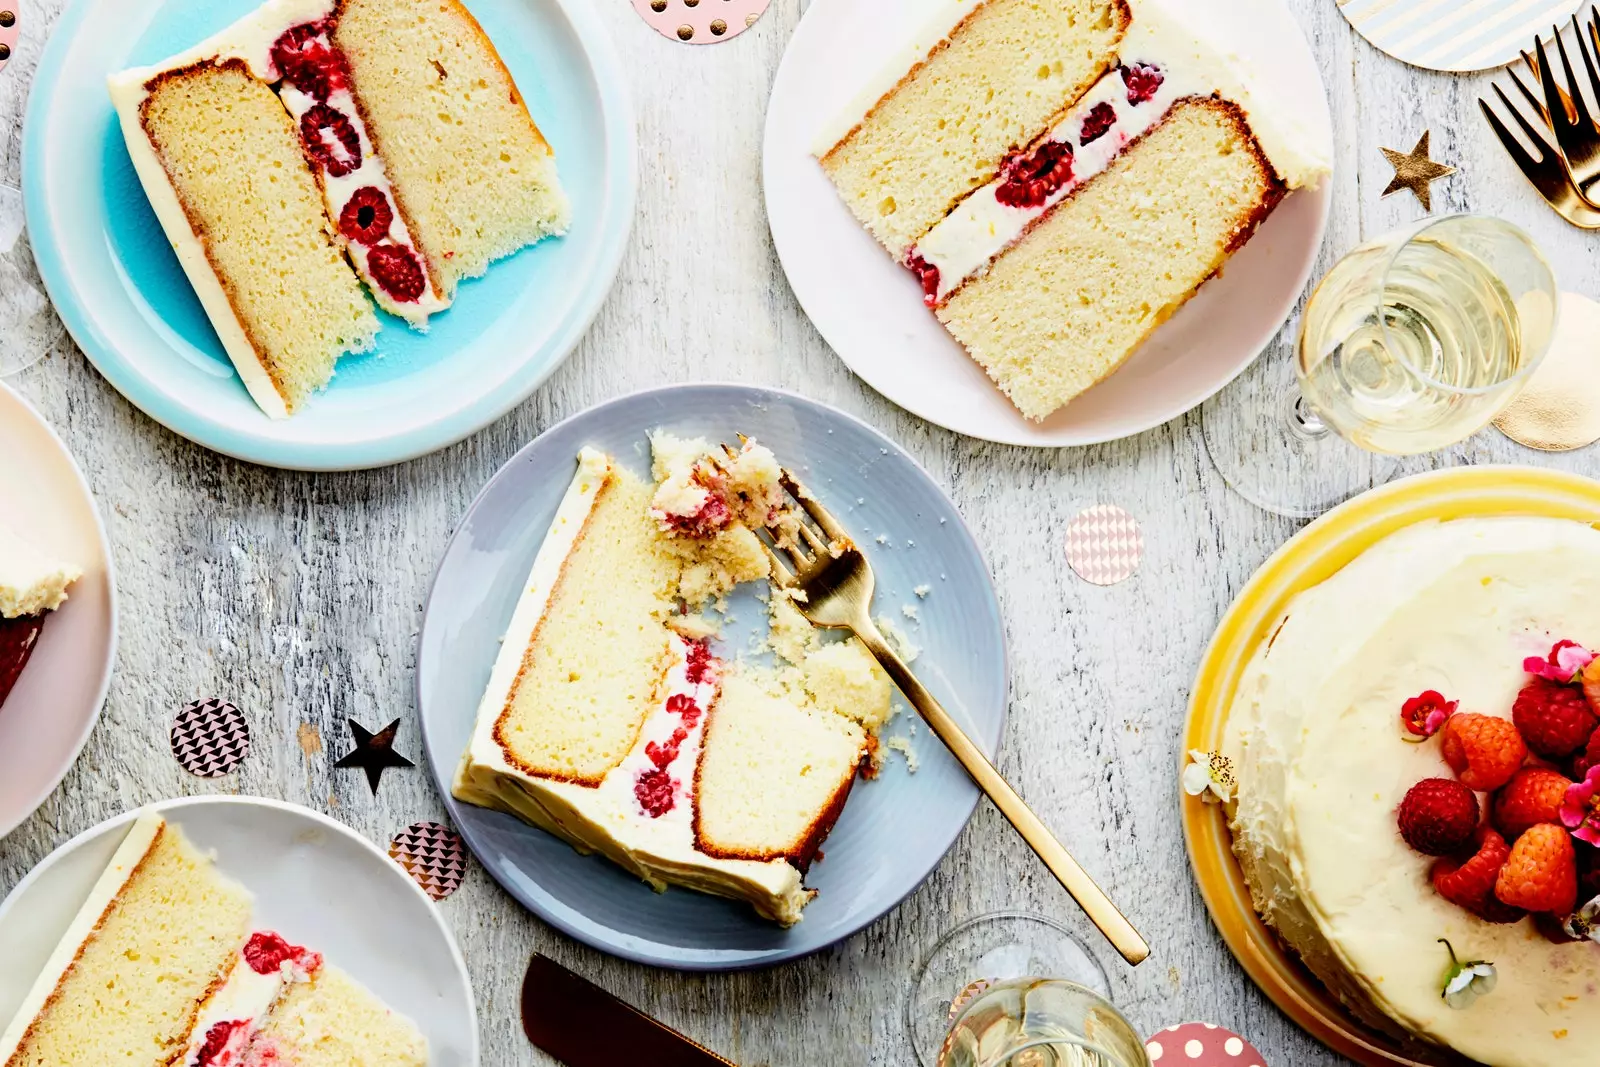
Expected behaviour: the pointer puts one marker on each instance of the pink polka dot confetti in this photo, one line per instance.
(9, 30)
(696, 21)
(210, 737)
(1105, 544)
(1202, 1045)
(433, 855)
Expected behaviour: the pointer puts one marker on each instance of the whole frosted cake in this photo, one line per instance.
(1416, 755)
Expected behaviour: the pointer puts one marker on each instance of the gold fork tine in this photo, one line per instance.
(1534, 101)
(782, 569)
(819, 514)
(1519, 155)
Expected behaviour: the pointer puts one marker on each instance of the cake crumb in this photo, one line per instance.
(695, 627)
(922, 591)
(790, 636)
(898, 641)
(902, 745)
(882, 539)
(910, 612)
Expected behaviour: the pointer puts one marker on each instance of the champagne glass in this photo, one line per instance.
(1412, 343)
(1016, 990)
(29, 329)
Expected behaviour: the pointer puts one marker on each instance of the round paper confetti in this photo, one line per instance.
(967, 996)
(210, 738)
(433, 855)
(1104, 544)
(1458, 36)
(1559, 408)
(697, 21)
(1202, 1045)
(9, 30)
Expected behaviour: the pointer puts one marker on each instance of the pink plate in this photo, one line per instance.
(10, 29)
(697, 21)
(48, 716)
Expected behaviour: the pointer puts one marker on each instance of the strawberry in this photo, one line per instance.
(1469, 883)
(1438, 816)
(1554, 719)
(1541, 873)
(1533, 796)
(1483, 751)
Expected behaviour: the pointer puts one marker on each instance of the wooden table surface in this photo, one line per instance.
(299, 596)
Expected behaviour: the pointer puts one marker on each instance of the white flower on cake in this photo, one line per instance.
(1209, 776)
(1466, 982)
(1584, 924)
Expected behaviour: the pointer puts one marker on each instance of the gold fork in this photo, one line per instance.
(1548, 172)
(836, 585)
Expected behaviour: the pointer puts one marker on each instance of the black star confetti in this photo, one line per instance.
(374, 752)
(210, 738)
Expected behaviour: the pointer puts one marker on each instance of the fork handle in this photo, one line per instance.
(1090, 897)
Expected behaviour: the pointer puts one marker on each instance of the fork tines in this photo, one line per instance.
(799, 535)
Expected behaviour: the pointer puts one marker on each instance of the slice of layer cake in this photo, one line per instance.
(334, 1021)
(159, 930)
(32, 585)
(1092, 226)
(608, 722)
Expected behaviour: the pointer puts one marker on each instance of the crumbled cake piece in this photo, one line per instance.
(902, 645)
(843, 677)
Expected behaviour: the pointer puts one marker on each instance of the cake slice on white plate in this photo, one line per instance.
(316, 145)
(32, 584)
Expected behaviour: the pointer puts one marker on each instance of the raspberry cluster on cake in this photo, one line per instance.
(320, 150)
(1415, 750)
(1062, 177)
(162, 967)
(32, 585)
(609, 721)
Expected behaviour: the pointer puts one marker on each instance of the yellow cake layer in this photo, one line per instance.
(588, 678)
(475, 178)
(991, 88)
(1074, 298)
(234, 159)
(334, 1021)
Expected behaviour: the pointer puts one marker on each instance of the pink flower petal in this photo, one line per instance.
(1588, 834)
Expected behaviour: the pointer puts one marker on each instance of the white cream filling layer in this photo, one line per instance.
(980, 228)
(1315, 738)
(30, 581)
(246, 997)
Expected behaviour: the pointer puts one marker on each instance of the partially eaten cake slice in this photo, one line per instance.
(609, 721)
(32, 585)
(1062, 177)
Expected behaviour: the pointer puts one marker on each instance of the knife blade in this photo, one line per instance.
(582, 1025)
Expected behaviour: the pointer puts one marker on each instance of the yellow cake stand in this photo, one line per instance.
(1310, 557)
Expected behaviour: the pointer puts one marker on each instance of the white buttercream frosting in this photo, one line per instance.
(981, 227)
(609, 818)
(1314, 734)
(31, 581)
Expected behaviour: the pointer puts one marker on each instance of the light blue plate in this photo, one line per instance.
(120, 290)
(894, 830)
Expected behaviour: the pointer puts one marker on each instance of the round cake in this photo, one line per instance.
(1411, 747)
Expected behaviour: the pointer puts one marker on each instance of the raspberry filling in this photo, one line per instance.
(654, 792)
(1031, 179)
(699, 665)
(267, 952)
(367, 217)
(223, 1043)
(307, 60)
(1143, 81)
(1097, 123)
(654, 788)
(331, 140)
(928, 275)
(683, 706)
(397, 271)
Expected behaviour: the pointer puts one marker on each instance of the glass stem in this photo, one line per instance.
(1303, 420)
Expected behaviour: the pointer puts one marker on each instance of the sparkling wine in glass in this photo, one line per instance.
(1041, 1022)
(29, 329)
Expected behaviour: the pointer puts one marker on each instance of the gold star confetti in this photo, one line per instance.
(1415, 171)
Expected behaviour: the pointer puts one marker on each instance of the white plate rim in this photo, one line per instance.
(108, 668)
(883, 379)
(179, 803)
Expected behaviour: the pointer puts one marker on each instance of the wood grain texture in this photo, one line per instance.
(299, 596)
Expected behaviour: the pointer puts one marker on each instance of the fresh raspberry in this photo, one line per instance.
(1554, 719)
(928, 275)
(1438, 816)
(1098, 123)
(1589, 757)
(267, 952)
(1034, 177)
(1542, 872)
(308, 62)
(223, 1042)
(1143, 81)
(653, 790)
(699, 666)
(1469, 883)
(1533, 796)
(397, 271)
(367, 216)
(1483, 751)
(1589, 678)
(341, 155)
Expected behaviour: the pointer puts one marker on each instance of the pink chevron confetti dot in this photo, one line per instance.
(209, 737)
(697, 21)
(433, 855)
(1105, 544)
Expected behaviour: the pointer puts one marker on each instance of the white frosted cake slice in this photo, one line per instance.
(607, 722)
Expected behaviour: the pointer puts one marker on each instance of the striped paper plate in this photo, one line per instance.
(1459, 35)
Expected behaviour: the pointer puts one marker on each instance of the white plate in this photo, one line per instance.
(870, 309)
(46, 720)
(315, 881)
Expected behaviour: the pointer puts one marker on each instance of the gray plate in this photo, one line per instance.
(894, 830)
